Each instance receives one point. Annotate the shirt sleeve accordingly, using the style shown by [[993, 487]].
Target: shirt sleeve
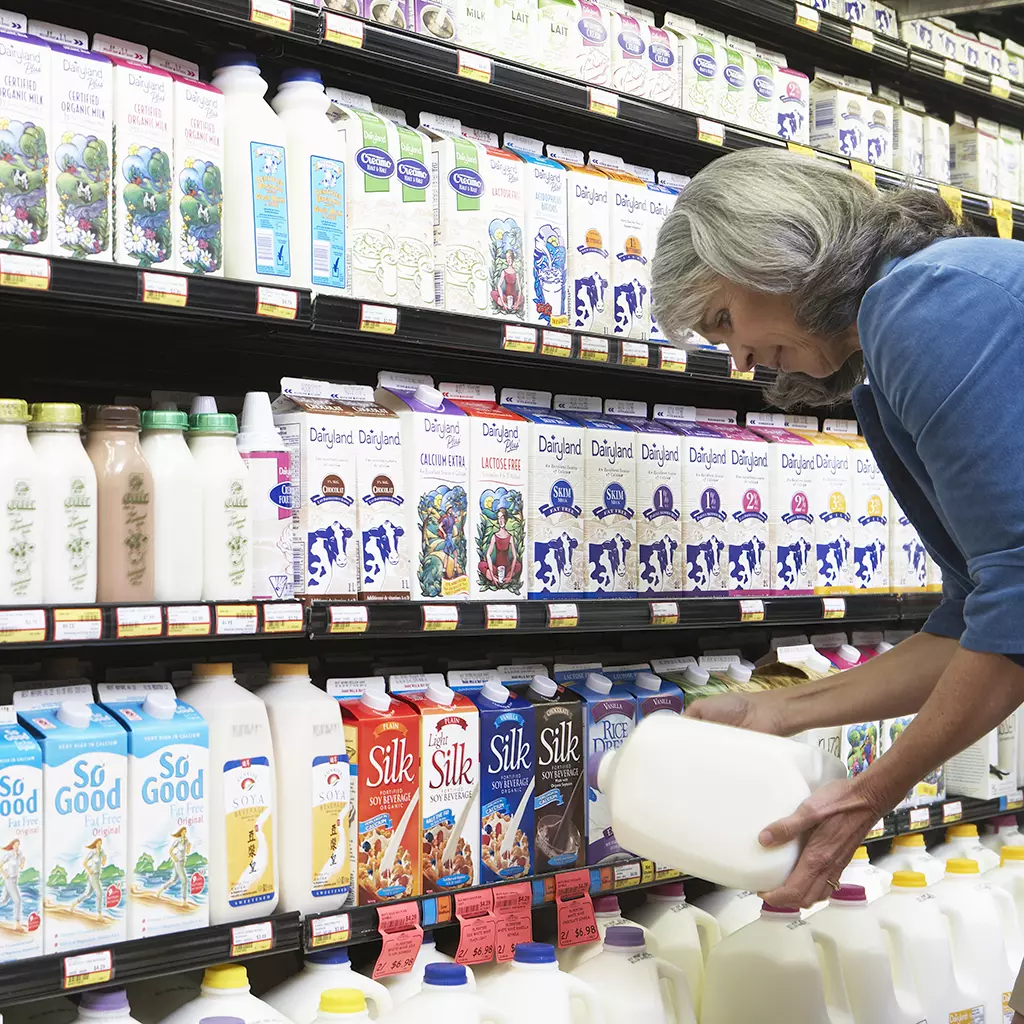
[[945, 349]]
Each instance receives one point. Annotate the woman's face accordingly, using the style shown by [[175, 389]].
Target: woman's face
[[502, 518]]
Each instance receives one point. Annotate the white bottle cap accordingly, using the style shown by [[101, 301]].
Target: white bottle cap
[[648, 681], [696, 675], [599, 683], [543, 686], [202, 403], [747, 664], [818, 662], [738, 673], [160, 705], [256, 427], [439, 693], [376, 700], [75, 714], [849, 653], [426, 395], [883, 647], [495, 692]]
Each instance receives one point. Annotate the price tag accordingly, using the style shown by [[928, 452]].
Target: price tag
[[348, 618], [664, 613], [1003, 213], [272, 14], [326, 931], [954, 71], [440, 618], [795, 147], [17, 271], [576, 921], [865, 171], [378, 319], [563, 616], [77, 624], [343, 31], [627, 876], [833, 607], [286, 617], [1000, 87], [594, 350], [501, 616], [247, 939], [603, 102], [710, 132], [139, 622], [1013, 802], [952, 811], [519, 339], [188, 620], [671, 358], [878, 831], [236, 619], [807, 17], [555, 343], [165, 289], [737, 374], [281, 303], [88, 969], [399, 927], [920, 817], [476, 927], [635, 353], [475, 66], [862, 38], [513, 919], [954, 200], [752, 610]]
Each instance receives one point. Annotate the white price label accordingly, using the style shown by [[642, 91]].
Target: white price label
[[563, 616], [627, 874], [635, 353], [77, 623], [188, 620], [31, 272], [164, 289], [807, 17], [349, 618], [952, 811], [672, 358], [920, 817], [833, 607], [1000, 87], [439, 618], [1012, 802], [286, 617], [502, 616], [247, 939], [236, 619], [139, 621], [475, 66], [343, 31], [954, 71], [604, 102], [862, 38], [272, 13], [664, 613], [378, 319], [88, 969], [325, 931], [555, 343], [519, 339], [710, 132], [752, 610], [594, 350], [280, 303], [877, 831]]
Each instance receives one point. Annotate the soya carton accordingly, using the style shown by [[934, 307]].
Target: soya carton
[[907, 557], [793, 92], [654, 694], [435, 436], [21, 840], [85, 783], [609, 498], [168, 849], [498, 476], [838, 116], [699, 61], [554, 496], [974, 154]]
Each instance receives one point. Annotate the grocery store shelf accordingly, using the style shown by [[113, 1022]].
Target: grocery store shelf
[[950, 811]]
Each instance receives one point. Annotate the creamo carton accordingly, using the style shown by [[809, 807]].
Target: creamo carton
[[907, 558], [554, 496], [610, 499]]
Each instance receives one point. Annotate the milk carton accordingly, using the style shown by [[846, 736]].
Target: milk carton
[[933, 576], [588, 246], [968, 49], [436, 19], [27, 142], [499, 466], [474, 20], [880, 131], [587, 55], [168, 765], [987, 769], [946, 38], [659, 499], [512, 29], [936, 149], [435, 435], [628, 50], [886, 21], [974, 154], [554, 496], [392, 13], [919, 33], [654, 694], [907, 558], [1013, 60], [610, 499], [504, 174], [764, 105], [908, 140], [1010, 163], [859, 12], [793, 91], [21, 840], [661, 198], [700, 64], [554, 26], [933, 786], [838, 116], [663, 78], [735, 88], [85, 851], [759, 101], [991, 54]]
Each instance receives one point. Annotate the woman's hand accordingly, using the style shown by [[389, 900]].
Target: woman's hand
[[757, 711]]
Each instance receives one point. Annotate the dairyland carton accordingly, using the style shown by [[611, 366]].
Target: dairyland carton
[[610, 499], [504, 173], [661, 198], [974, 155], [700, 64], [907, 557], [838, 116], [85, 784], [554, 496], [793, 92], [498, 476], [168, 768], [435, 435]]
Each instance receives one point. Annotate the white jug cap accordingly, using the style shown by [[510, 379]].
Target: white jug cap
[[849, 653], [599, 683], [74, 714], [376, 700], [497, 693], [439, 693], [883, 647], [746, 664], [543, 686], [739, 673], [696, 675], [257, 421], [648, 681], [817, 662], [202, 403], [427, 395], [160, 704]]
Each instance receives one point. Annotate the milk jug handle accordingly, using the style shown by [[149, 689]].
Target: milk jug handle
[[490, 1013], [708, 930], [836, 997], [902, 965], [1008, 912], [682, 1000], [381, 999], [587, 995]]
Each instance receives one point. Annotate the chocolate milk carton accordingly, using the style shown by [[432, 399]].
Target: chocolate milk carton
[[908, 571]]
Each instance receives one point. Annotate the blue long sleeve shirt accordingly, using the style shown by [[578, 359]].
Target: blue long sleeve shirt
[[942, 332]]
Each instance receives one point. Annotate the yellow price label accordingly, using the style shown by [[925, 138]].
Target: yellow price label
[[796, 147], [954, 71], [807, 17], [865, 171], [862, 38], [954, 200], [1003, 213]]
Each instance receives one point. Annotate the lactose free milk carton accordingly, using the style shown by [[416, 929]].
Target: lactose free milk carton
[[168, 768], [907, 557], [554, 496], [793, 92], [85, 852], [609, 498], [435, 436], [499, 461], [974, 154], [21, 840], [838, 116]]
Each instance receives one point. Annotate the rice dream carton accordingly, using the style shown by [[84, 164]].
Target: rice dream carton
[[700, 63], [838, 116], [907, 556]]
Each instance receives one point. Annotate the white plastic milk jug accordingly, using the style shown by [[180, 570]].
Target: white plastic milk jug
[[729, 784], [154, 998], [404, 986], [1010, 876], [908, 853], [225, 993], [108, 1006], [962, 841], [733, 909], [607, 913], [860, 871], [342, 1006], [298, 998], [446, 996], [1002, 831]]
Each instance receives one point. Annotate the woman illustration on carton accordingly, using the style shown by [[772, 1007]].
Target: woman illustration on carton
[[93, 864], [12, 863], [501, 565], [178, 853], [800, 266]]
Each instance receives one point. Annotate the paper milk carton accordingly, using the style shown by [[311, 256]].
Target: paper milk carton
[[663, 79], [920, 33], [85, 786], [1013, 60], [991, 54], [886, 20], [946, 38], [659, 499], [553, 26], [587, 52], [512, 29], [609, 498], [758, 102], [860, 12], [987, 769], [21, 840], [907, 557], [628, 50], [838, 116], [933, 576], [1010, 163], [974, 154], [654, 694], [554, 496], [436, 19], [474, 24], [435, 436], [793, 92], [936, 149], [661, 198], [880, 130], [908, 140], [499, 535], [588, 289], [933, 786], [735, 89], [700, 62], [168, 768]]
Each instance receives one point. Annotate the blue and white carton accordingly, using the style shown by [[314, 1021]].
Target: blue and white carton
[[515, 675], [168, 772], [654, 694]]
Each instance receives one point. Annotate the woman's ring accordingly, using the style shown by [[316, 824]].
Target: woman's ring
[[835, 885]]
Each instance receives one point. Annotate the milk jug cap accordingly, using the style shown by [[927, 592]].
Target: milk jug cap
[[164, 419], [13, 410], [328, 956], [818, 662], [495, 692], [342, 1000], [221, 1020], [961, 866], [443, 975], [648, 681], [534, 953], [1003, 821], [66, 414], [160, 705], [202, 403], [212, 670], [257, 423], [621, 936], [767, 908], [883, 647], [237, 58], [739, 673], [908, 842], [849, 894], [289, 669], [226, 976], [114, 417], [961, 832], [111, 1000], [543, 686], [599, 683], [696, 675], [910, 879], [440, 694], [75, 714], [376, 700], [426, 395], [1011, 853], [606, 905], [213, 423], [861, 853], [672, 890], [848, 653], [301, 75]]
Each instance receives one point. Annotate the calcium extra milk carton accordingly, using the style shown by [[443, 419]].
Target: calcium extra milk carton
[[21, 840], [498, 475], [85, 785], [168, 769], [908, 570], [435, 442]]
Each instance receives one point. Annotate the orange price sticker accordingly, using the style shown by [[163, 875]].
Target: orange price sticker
[[576, 922], [399, 927], [635, 353], [476, 927], [513, 920]]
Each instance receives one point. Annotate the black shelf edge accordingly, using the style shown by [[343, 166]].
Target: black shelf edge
[[942, 814]]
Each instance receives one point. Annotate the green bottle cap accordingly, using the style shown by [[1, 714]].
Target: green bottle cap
[[13, 410], [59, 414], [164, 419], [213, 423]]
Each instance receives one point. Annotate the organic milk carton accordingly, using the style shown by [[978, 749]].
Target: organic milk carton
[[545, 229], [936, 149], [588, 247], [880, 129], [554, 496], [85, 755], [659, 498], [168, 765], [499, 464], [838, 116], [27, 143], [974, 154], [609, 498], [435, 434], [907, 557], [908, 140], [793, 92], [1010, 163], [700, 63], [628, 50], [21, 840]]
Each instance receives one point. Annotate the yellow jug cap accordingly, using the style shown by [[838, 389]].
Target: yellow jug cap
[[288, 668], [961, 832], [911, 841], [67, 413], [961, 866], [206, 671], [909, 880], [1011, 853], [13, 410], [861, 853], [342, 1000], [226, 976]]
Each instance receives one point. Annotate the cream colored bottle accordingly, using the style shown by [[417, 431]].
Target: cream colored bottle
[[21, 577]]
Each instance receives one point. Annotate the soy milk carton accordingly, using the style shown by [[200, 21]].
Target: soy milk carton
[[168, 768], [838, 116], [907, 556], [85, 853], [21, 840]]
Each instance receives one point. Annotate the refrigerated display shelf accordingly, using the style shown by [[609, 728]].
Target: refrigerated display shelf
[[951, 811]]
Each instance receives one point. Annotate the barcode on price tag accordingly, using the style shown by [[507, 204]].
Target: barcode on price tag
[[281, 303], [752, 610], [247, 939], [604, 102], [22, 626], [920, 817], [165, 289], [188, 620], [136, 622], [399, 927], [326, 931], [286, 617], [236, 619], [833, 607], [555, 343], [272, 14], [664, 613], [77, 624], [635, 353], [563, 616], [476, 927], [348, 618], [502, 616], [513, 920], [576, 921], [343, 31], [737, 374], [32, 272], [378, 319], [953, 811], [519, 339], [439, 618], [88, 969], [594, 350]]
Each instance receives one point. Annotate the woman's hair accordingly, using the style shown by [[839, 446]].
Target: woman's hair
[[771, 221]]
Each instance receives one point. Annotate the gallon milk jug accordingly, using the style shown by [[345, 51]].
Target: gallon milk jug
[[628, 981], [1010, 876], [879, 991], [109, 1006], [225, 993], [43, 1011], [21, 529], [445, 995], [908, 853], [731, 908], [860, 871], [154, 998], [243, 869], [404, 986], [962, 841], [730, 784], [257, 243], [773, 970], [298, 998], [606, 913], [342, 1006], [999, 832], [678, 932]]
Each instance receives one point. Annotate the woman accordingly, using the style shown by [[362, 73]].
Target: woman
[[800, 266], [501, 564]]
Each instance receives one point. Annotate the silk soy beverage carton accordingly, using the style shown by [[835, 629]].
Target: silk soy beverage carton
[[168, 849], [85, 753]]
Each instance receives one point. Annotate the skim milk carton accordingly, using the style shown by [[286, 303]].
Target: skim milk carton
[[659, 496], [554, 496], [610, 498], [85, 784], [907, 558], [21, 840], [435, 443], [168, 768], [498, 476]]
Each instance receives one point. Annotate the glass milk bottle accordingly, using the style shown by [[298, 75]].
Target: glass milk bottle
[[21, 535], [67, 503], [227, 516], [177, 509], [124, 503]]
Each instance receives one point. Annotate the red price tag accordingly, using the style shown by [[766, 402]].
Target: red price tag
[[399, 927], [513, 920], [476, 927], [576, 922]]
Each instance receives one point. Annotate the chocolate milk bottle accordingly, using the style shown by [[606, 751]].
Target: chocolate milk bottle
[[124, 487]]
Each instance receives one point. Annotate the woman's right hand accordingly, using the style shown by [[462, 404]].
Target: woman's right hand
[[757, 711]]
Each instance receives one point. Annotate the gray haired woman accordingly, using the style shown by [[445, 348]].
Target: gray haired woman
[[798, 265]]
